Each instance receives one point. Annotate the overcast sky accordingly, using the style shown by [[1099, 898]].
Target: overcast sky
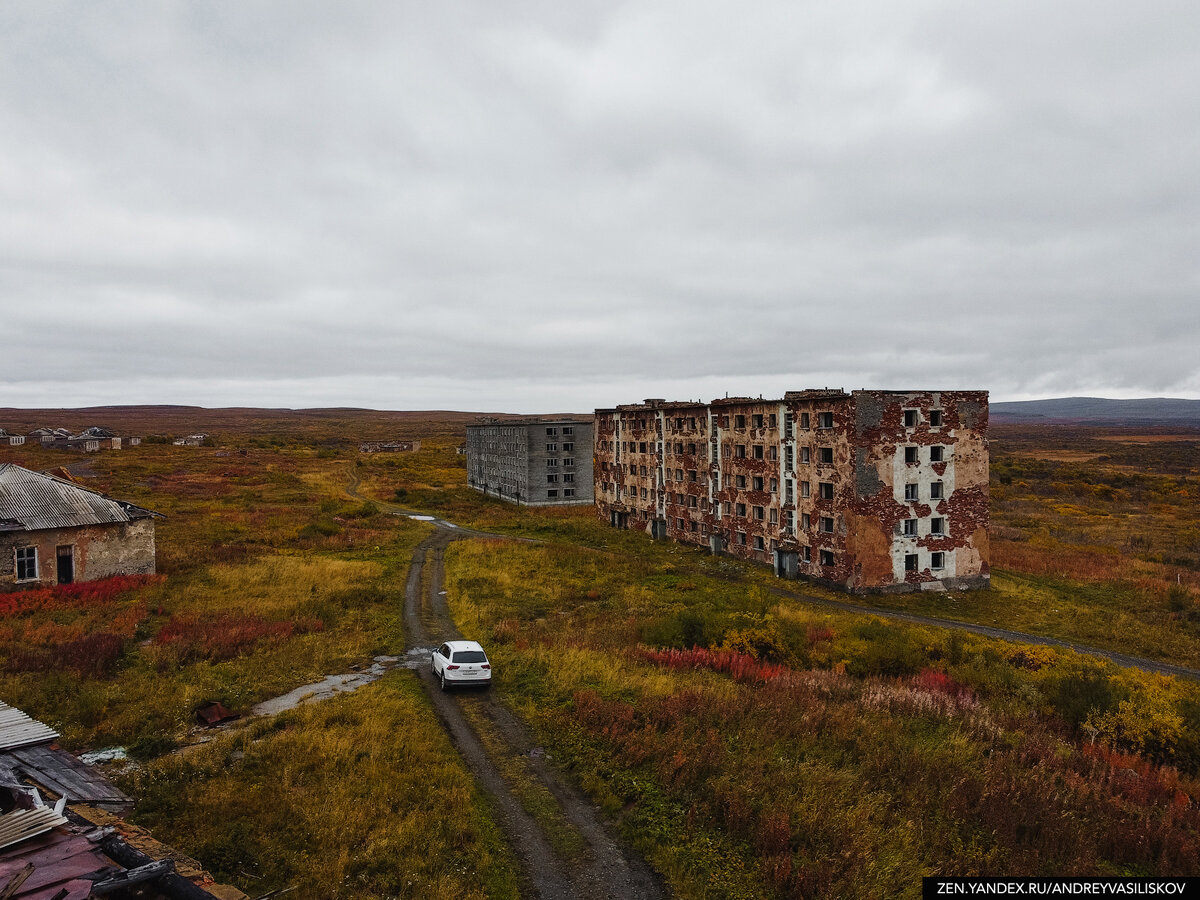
[[549, 206]]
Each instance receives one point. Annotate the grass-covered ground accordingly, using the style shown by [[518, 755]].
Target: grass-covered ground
[[749, 746], [270, 578], [820, 754]]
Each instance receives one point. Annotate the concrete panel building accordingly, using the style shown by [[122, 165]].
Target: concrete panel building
[[865, 491], [53, 531], [539, 462]]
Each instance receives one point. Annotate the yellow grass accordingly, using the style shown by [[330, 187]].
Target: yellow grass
[[357, 797]]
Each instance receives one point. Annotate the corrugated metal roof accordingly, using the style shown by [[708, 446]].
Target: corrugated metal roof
[[19, 730], [34, 501]]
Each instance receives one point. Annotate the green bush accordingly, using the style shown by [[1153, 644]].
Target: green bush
[[318, 529], [1075, 696]]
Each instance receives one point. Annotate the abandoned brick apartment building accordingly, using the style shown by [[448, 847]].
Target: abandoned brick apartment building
[[539, 462], [866, 491]]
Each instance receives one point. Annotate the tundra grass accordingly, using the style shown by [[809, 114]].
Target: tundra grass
[[1084, 551], [873, 755], [357, 797]]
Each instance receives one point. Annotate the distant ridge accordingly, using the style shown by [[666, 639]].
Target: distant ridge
[[1100, 411]]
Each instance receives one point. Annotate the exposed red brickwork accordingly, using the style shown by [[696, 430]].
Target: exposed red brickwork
[[874, 490]]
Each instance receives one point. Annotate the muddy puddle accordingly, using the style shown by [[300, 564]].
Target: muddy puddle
[[332, 685]]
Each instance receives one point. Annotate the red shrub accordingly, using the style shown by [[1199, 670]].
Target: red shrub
[[93, 655], [224, 638], [936, 682], [80, 594], [818, 634], [740, 666], [774, 833]]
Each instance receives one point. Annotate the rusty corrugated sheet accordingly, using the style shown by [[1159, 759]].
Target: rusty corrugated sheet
[[34, 501]]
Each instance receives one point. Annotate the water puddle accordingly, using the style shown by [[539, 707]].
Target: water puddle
[[417, 658], [331, 686]]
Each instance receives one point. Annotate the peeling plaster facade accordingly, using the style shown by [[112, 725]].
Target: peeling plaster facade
[[537, 462], [867, 491], [53, 531], [87, 552]]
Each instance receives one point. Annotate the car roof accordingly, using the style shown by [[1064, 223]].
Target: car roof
[[463, 645]]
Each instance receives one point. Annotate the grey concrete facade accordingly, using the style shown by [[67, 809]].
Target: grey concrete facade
[[537, 462]]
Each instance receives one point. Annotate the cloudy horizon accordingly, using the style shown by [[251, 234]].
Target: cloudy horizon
[[535, 206]]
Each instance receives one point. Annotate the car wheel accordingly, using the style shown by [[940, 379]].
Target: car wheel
[[443, 680]]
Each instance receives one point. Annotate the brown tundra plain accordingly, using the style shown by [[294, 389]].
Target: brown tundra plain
[[747, 739]]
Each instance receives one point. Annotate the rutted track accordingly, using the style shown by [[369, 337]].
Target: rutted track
[[607, 870]]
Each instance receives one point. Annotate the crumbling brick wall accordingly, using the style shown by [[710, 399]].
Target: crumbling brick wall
[[819, 483], [97, 551]]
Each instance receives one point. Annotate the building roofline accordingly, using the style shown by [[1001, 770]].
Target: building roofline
[[826, 393]]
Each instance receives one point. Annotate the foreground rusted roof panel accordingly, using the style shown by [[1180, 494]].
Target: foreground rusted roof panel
[[32, 500], [58, 859]]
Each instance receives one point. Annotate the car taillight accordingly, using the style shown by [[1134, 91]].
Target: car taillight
[[451, 667], [486, 666]]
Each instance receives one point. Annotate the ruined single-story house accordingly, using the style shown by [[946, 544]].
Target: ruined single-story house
[[11, 440], [47, 436], [106, 438], [389, 447], [53, 531]]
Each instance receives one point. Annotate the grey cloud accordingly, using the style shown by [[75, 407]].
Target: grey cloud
[[542, 205]]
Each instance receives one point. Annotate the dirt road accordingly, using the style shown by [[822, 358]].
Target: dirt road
[[604, 869]]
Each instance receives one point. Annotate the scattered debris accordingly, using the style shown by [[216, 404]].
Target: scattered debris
[[214, 713], [107, 755], [84, 851]]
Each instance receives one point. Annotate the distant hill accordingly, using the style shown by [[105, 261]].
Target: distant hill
[[1099, 411], [325, 426]]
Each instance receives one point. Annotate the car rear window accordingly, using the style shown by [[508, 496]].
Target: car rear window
[[469, 656]]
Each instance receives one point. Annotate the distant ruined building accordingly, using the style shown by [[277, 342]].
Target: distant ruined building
[[536, 462], [389, 447], [865, 491]]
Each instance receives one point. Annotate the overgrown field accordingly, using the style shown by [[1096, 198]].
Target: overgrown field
[[270, 578], [755, 748], [749, 746], [1095, 536]]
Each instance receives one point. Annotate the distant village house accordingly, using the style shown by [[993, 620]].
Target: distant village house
[[87, 441], [192, 440], [11, 440], [47, 436], [53, 531], [389, 447]]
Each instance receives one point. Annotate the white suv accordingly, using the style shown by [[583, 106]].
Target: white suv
[[461, 662]]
